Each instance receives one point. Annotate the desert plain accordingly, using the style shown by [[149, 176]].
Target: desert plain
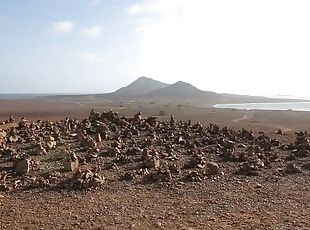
[[247, 170]]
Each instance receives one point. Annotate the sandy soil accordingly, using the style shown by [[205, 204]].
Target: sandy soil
[[267, 201], [58, 109], [231, 204]]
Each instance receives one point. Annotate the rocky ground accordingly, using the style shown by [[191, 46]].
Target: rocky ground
[[115, 172]]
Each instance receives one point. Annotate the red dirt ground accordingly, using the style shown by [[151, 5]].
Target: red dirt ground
[[229, 202]]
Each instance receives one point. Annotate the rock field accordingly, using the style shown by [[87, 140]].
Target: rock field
[[106, 149]]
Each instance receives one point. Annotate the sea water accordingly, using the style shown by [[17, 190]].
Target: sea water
[[296, 106], [26, 95]]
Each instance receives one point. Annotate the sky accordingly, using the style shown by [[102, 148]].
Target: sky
[[97, 46]]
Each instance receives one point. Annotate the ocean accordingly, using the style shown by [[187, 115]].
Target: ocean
[[295, 106], [18, 96], [27, 95]]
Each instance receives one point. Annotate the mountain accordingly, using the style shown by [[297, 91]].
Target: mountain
[[141, 86], [179, 91], [149, 90]]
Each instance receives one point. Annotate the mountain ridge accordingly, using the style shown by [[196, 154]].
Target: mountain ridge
[[179, 90], [146, 89], [138, 87]]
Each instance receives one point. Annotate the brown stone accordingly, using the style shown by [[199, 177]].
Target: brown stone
[[98, 138], [95, 182], [40, 150], [80, 135], [152, 162], [213, 168], [3, 175], [292, 168], [279, 132], [50, 143], [22, 166], [2, 134], [13, 139], [71, 166]]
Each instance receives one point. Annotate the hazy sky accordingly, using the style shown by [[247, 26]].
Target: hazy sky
[[92, 46]]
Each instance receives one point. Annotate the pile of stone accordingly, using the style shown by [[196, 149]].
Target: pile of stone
[[252, 167], [196, 176], [22, 164], [87, 141], [50, 143], [292, 168], [85, 180], [39, 150], [71, 163], [3, 176], [140, 147], [302, 145], [151, 158], [161, 175]]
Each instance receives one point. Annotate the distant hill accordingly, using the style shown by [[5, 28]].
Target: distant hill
[[179, 91], [150, 90], [141, 86]]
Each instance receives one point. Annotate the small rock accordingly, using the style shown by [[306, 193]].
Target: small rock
[[213, 168], [98, 138], [258, 186]]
